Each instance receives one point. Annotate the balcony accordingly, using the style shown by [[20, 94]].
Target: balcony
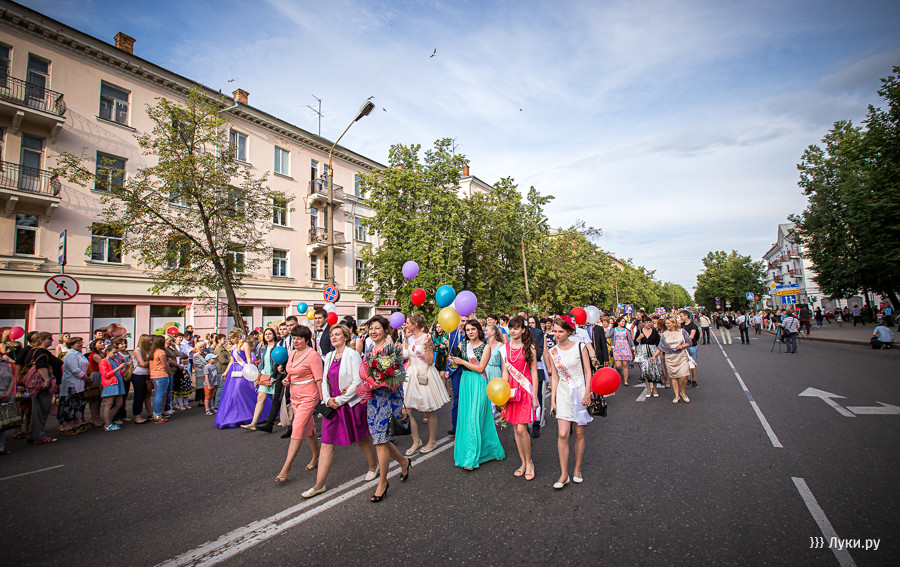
[[28, 185], [32, 104], [318, 193], [318, 241]]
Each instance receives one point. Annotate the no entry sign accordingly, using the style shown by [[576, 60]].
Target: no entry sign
[[61, 287]]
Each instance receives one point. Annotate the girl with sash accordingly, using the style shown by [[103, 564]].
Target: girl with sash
[[476, 434], [570, 373], [238, 395], [520, 370]]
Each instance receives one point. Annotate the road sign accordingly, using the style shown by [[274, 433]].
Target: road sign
[[789, 289], [332, 294], [772, 285], [61, 287], [750, 296], [629, 309], [62, 249], [788, 299], [727, 303]]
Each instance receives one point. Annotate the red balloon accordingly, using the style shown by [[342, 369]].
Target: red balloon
[[580, 315], [332, 318], [16, 333], [418, 297], [605, 381]]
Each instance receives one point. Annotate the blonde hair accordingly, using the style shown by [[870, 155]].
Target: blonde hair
[[344, 331], [418, 320], [498, 334]]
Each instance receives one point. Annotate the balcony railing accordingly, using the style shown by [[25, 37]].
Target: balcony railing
[[320, 187], [33, 96], [320, 236], [30, 179]]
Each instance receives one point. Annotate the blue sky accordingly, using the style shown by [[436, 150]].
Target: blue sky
[[674, 126]]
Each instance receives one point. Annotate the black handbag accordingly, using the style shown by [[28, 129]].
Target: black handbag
[[598, 406], [325, 410], [399, 426]]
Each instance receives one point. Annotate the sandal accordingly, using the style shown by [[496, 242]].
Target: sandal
[[376, 498], [282, 478], [252, 428], [403, 477], [530, 475], [412, 450], [312, 466], [426, 449], [20, 435], [519, 472]]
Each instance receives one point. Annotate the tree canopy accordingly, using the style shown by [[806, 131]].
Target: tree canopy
[[729, 277], [197, 219]]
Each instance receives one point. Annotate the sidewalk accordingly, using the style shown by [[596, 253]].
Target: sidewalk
[[834, 333]]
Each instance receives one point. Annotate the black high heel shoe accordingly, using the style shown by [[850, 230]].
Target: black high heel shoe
[[403, 477], [383, 494]]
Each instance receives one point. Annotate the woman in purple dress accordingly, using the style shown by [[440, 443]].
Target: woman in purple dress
[[238, 395], [349, 423]]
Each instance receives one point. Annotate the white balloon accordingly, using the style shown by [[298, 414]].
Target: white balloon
[[593, 314], [250, 372], [329, 307]]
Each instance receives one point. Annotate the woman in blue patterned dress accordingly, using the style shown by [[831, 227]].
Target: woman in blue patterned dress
[[383, 402], [622, 346]]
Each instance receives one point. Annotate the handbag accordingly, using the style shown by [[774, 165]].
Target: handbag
[[398, 426], [326, 411], [10, 416], [265, 380], [691, 362], [597, 407], [422, 378]]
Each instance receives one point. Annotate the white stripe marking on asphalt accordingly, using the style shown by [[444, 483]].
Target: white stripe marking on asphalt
[[759, 414], [842, 555], [243, 538], [32, 472]]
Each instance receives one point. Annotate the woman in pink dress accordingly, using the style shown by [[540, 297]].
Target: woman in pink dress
[[304, 378], [520, 370]]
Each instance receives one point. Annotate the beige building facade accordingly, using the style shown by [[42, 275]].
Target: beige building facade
[[63, 90]]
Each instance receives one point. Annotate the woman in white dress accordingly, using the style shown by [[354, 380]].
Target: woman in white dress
[[570, 373], [424, 389]]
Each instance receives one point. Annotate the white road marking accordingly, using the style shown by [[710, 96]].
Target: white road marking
[[827, 398], [32, 472], [245, 537], [842, 555], [759, 414]]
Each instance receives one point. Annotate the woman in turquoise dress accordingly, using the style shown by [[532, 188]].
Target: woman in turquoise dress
[[476, 434]]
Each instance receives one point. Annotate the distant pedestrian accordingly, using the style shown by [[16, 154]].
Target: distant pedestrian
[[791, 328], [723, 323], [704, 328], [818, 317], [857, 315], [882, 337]]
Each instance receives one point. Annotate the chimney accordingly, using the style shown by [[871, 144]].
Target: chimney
[[465, 171], [241, 95], [125, 43]]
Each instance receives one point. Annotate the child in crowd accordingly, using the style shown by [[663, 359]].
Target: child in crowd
[[210, 383], [198, 362]]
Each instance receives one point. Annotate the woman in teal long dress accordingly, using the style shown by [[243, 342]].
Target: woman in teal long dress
[[476, 434]]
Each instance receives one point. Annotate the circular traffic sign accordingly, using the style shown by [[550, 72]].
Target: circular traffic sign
[[61, 287], [332, 294]]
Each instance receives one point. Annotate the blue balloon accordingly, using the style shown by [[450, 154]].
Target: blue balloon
[[444, 296], [279, 355], [301, 308]]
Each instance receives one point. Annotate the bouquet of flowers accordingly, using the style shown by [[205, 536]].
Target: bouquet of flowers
[[382, 369]]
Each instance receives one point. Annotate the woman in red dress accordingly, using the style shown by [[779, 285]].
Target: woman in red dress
[[520, 370]]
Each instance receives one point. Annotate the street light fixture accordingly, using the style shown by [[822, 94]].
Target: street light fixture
[[364, 111]]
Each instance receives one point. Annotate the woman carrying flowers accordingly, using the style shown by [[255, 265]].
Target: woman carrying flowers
[[382, 387]]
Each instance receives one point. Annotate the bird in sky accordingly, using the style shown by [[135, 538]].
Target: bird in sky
[[230, 80], [433, 53], [384, 109]]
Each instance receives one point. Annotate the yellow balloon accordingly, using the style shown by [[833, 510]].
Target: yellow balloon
[[448, 319], [498, 391], [310, 314]]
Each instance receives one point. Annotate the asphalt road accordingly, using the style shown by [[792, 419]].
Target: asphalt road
[[665, 484]]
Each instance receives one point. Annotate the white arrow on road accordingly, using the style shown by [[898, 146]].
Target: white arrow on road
[[885, 409], [826, 397]]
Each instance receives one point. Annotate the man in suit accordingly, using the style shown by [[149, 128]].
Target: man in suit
[[598, 340], [539, 345], [322, 342], [454, 340]]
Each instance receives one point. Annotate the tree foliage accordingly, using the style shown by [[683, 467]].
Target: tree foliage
[[197, 219], [729, 276], [850, 228]]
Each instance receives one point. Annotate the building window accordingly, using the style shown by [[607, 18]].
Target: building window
[[325, 268], [106, 244], [113, 103], [279, 263], [32, 157], [313, 218], [178, 252], [360, 271], [37, 77], [26, 234], [359, 229], [313, 267], [4, 63], [282, 161], [357, 187], [179, 196], [238, 143], [279, 211], [110, 172], [234, 259]]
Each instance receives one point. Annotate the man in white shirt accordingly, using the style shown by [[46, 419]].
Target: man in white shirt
[[704, 328], [790, 328]]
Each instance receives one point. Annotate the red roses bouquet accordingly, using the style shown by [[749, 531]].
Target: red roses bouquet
[[381, 369]]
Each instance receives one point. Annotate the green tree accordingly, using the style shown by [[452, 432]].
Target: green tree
[[570, 271], [728, 277], [197, 220]]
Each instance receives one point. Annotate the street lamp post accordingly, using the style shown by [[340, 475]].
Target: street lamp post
[[364, 110]]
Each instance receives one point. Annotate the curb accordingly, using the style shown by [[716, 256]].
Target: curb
[[841, 341]]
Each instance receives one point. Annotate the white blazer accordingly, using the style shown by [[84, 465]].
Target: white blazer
[[349, 377]]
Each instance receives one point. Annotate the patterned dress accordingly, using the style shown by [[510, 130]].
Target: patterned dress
[[622, 344], [646, 348], [379, 409]]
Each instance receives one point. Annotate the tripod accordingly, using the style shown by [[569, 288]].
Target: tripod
[[778, 333]]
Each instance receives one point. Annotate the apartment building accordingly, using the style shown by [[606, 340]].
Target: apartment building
[[63, 90], [786, 265]]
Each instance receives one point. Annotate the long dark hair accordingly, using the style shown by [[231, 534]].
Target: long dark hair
[[474, 322], [518, 322]]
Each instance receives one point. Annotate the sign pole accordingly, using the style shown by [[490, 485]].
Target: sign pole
[[62, 270]]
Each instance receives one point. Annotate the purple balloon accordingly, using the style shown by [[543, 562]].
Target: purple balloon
[[410, 270], [397, 319], [466, 302]]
